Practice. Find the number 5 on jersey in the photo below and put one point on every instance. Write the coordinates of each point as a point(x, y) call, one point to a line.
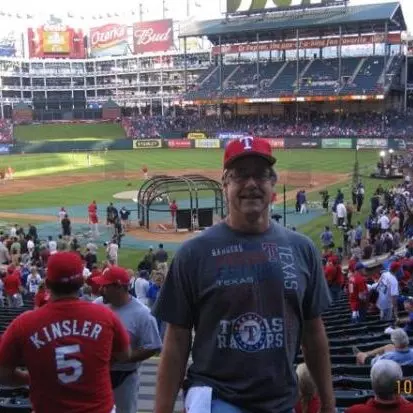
point(69, 369)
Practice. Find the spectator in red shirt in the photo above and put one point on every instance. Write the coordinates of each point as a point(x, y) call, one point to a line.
point(309, 401)
point(96, 272)
point(12, 287)
point(67, 346)
point(385, 376)
point(42, 296)
point(357, 293)
point(334, 277)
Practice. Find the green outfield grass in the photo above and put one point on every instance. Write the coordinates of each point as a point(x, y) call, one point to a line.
point(313, 160)
point(335, 161)
point(58, 132)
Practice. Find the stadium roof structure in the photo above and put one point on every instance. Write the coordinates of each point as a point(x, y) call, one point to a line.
point(367, 18)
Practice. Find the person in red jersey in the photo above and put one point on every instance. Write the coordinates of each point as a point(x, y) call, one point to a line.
point(12, 287)
point(387, 383)
point(357, 293)
point(173, 207)
point(67, 346)
point(91, 209)
point(42, 296)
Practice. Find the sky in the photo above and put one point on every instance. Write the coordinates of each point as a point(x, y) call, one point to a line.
point(129, 11)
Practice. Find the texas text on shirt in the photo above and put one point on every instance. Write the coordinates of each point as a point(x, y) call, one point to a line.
point(67, 355)
point(253, 340)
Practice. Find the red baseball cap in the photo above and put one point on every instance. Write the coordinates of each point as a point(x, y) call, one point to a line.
point(248, 146)
point(65, 267)
point(395, 266)
point(114, 275)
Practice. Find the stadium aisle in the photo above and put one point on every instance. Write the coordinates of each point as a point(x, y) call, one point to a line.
point(147, 387)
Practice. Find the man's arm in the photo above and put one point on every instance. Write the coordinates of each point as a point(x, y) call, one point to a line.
point(13, 377)
point(141, 354)
point(317, 357)
point(172, 366)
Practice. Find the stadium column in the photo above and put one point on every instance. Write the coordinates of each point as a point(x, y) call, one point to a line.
point(221, 80)
point(258, 66)
point(340, 64)
point(386, 53)
point(297, 75)
point(185, 67)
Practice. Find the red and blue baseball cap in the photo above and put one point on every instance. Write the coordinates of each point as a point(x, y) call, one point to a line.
point(113, 275)
point(248, 146)
point(65, 268)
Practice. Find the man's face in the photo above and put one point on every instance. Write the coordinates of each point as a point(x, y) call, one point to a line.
point(248, 186)
point(109, 293)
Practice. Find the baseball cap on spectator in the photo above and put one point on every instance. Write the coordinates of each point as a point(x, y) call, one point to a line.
point(395, 266)
point(65, 268)
point(114, 275)
point(248, 146)
point(360, 266)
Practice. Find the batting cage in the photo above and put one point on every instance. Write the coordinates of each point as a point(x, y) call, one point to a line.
point(179, 203)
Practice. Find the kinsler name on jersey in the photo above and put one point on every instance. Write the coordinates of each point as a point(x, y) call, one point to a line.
point(65, 328)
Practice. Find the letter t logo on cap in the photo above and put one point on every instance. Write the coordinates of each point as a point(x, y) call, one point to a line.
point(247, 141)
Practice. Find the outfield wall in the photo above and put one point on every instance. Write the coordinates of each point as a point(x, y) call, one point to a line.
point(137, 144)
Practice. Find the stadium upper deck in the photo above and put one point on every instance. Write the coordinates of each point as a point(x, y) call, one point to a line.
point(328, 55)
point(303, 55)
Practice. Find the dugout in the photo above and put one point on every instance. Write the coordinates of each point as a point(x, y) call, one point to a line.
point(154, 191)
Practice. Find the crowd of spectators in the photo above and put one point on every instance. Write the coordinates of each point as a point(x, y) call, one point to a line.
point(6, 131)
point(369, 124)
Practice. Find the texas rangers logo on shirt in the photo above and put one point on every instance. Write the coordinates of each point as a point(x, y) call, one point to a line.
point(247, 141)
point(251, 333)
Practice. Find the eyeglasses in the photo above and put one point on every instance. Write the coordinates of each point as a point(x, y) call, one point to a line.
point(244, 175)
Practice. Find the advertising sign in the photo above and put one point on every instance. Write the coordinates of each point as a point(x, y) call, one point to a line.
point(372, 143)
point(207, 143)
point(229, 135)
point(179, 143)
point(147, 143)
point(234, 6)
point(108, 40)
point(296, 143)
point(393, 38)
point(276, 142)
point(196, 135)
point(153, 36)
point(337, 143)
point(4, 149)
point(398, 144)
point(56, 41)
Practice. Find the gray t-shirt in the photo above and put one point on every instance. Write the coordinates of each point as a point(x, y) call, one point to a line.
point(247, 297)
point(141, 326)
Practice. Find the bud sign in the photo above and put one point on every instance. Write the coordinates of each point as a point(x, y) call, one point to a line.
point(154, 36)
point(108, 40)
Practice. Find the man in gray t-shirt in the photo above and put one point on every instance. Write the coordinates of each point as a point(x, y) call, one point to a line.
point(253, 291)
point(143, 331)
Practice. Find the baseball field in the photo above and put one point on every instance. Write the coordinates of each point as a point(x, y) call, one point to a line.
point(43, 183)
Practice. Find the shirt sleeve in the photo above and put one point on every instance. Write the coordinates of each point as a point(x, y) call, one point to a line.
point(11, 354)
point(317, 296)
point(150, 339)
point(120, 337)
point(394, 287)
point(175, 303)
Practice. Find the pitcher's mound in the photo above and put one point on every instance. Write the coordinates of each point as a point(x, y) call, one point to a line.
point(127, 195)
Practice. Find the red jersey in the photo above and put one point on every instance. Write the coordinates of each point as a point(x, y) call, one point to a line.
point(173, 208)
point(12, 283)
point(41, 298)
point(67, 347)
point(357, 289)
point(373, 406)
point(92, 208)
point(313, 406)
point(94, 218)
